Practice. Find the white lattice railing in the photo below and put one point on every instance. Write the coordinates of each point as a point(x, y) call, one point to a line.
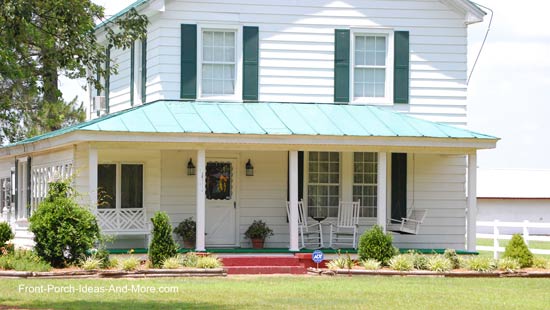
point(123, 221)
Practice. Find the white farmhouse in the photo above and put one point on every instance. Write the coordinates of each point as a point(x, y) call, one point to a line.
point(232, 108)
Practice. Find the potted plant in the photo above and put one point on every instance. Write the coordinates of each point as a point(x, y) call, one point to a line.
point(257, 232)
point(187, 230)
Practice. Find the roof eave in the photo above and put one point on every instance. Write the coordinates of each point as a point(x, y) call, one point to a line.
point(473, 13)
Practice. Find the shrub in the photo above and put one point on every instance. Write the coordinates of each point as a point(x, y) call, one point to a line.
point(541, 262)
point(91, 263)
point(371, 264)
point(376, 245)
point(517, 249)
point(23, 260)
point(63, 230)
point(439, 263)
point(208, 262)
point(172, 263)
point(190, 259)
point(162, 245)
point(402, 262)
point(508, 264)
point(113, 263)
point(187, 229)
point(451, 255)
point(130, 264)
point(481, 264)
point(6, 233)
point(420, 261)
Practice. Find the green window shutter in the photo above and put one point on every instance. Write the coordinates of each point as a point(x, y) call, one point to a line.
point(341, 65)
point(401, 67)
point(107, 78)
point(143, 70)
point(29, 186)
point(398, 185)
point(188, 83)
point(251, 47)
point(16, 188)
point(132, 72)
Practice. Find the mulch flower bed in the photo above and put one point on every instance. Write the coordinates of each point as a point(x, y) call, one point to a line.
point(144, 273)
point(460, 273)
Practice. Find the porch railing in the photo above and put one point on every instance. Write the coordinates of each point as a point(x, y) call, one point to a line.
point(497, 235)
point(123, 221)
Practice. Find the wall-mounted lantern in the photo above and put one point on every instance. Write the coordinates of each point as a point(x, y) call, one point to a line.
point(190, 167)
point(249, 169)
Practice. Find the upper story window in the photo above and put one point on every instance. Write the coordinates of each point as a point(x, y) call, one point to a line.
point(219, 64)
point(372, 73)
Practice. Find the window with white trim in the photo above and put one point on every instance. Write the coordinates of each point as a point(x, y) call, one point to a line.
point(323, 191)
point(219, 63)
point(119, 180)
point(365, 182)
point(5, 193)
point(372, 73)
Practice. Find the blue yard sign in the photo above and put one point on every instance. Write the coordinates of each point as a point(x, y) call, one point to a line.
point(317, 256)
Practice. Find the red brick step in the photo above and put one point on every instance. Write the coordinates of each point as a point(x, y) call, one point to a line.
point(244, 264)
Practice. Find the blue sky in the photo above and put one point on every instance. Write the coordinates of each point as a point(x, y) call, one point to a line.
point(509, 93)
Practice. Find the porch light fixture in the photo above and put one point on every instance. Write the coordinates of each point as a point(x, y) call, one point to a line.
point(190, 167)
point(249, 169)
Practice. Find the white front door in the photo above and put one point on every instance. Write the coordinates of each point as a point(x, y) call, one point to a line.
point(221, 202)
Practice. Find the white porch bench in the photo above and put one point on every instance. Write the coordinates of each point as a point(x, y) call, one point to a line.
point(130, 221)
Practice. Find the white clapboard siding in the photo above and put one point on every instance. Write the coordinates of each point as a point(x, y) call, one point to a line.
point(119, 98)
point(297, 49)
point(437, 183)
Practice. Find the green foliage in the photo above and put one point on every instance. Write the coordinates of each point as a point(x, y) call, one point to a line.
point(371, 264)
point(6, 233)
point(376, 245)
point(162, 245)
point(41, 39)
point(130, 264)
point(23, 260)
point(91, 263)
point(439, 263)
point(341, 262)
point(63, 230)
point(508, 264)
point(113, 263)
point(174, 262)
point(420, 261)
point(190, 259)
point(258, 230)
point(541, 262)
point(451, 255)
point(517, 249)
point(403, 262)
point(187, 229)
point(481, 264)
point(208, 262)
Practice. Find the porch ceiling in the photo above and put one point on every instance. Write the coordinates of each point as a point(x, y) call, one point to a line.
point(267, 118)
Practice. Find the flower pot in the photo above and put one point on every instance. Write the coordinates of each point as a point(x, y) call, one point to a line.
point(189, 244)
point(257, 243)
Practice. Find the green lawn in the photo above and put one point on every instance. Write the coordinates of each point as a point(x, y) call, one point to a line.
point(285, 292)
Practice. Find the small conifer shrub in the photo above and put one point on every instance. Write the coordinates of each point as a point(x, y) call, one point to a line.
point(517, 249)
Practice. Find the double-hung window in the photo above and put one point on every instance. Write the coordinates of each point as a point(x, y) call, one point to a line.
point(219, 63)
point(365, 180)
point(120, 186)
point(372, 73)
point(323, 192)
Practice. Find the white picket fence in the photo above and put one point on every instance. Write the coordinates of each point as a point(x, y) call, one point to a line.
point(525, 225)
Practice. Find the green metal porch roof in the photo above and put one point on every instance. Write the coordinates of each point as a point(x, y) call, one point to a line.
point(265, 118)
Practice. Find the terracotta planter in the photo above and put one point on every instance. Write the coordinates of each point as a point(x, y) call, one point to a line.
point(189, 244)
point(257, 243)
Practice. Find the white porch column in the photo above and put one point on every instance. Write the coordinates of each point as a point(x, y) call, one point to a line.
point(201, 201)
point(472, 201)
point(92, 177)
point(381, 191)
point(293, 197)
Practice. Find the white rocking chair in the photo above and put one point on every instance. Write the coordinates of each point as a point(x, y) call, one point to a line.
point(347, 225)
point(409, 225)
point(310, 235)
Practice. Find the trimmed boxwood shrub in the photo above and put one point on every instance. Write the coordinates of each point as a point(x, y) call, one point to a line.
point(376, 245)
point(162, 245)
point(6, 233)
point(517, 249)
point(63, 230)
